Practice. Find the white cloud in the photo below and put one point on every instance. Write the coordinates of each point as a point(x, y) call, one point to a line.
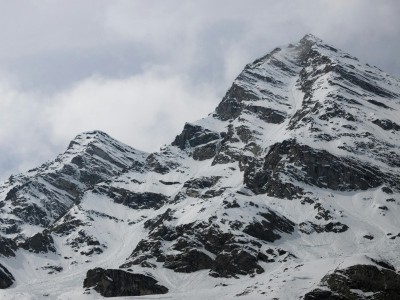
point(144, 111)
point(24, 141)
point(138, 70)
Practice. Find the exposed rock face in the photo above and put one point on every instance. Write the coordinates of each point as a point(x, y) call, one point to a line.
point(68, 224)
point(267, 230)
point(387, 124)
point(116, 283)
point(309, 227)
point(161, 162)
point(193, 135)
point(6, 278)
point(239, 97)
point(188, 261)
point(370, 280)
point(201, 143)
point(85, 243)
point(314, 167)
point(231, 106)
point(191, 247)
point(266, 114)
point(39, 243)
point(46, 193)
point(7, 247)
point(237, 262)
point(201, 187)
point(131, 199)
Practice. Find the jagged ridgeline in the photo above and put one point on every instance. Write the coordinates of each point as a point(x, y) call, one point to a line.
point(290, 189)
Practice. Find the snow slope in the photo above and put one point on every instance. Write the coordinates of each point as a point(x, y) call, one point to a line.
point(294, 176)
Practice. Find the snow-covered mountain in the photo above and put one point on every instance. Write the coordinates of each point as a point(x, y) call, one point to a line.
point(290, 189)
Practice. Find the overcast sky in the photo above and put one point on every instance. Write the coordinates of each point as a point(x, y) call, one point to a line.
point(139, 69)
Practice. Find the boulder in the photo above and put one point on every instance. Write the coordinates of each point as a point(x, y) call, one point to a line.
point(115, 283)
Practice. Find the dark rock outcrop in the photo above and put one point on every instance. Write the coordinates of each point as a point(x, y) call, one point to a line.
point(204, 152)
point(377, 103)
point(380, 284)
point(231, 106)
point(187, 242)
point(335, 227)
point(66, 225)
point(198, 186)
point(387, 124)
point(10, 225)
point(6, 278)
point(236, 262)
point(188, 261)
point(311, 166)
point(157, 163)
point(194, 135)
point(30, 212)
point(267, 230)
point(131, 199)
point(7, 247)
point(41, 242)
point(115, 283)
point(267, 114)
point(84, 240)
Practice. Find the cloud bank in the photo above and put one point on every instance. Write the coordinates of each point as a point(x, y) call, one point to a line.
point(146, 110)
point(138, 70)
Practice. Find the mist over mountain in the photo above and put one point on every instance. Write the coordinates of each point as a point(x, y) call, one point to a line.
point(289, 189)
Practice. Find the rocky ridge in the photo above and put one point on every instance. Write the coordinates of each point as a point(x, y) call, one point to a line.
point(295, 171)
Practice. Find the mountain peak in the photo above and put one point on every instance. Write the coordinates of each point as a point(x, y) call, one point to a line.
point(87, 137)
point(303, 152)
point(95, 133)
point(85, 141)
point(311, 38)
point(50, 190)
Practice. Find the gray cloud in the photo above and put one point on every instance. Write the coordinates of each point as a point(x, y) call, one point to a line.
point(138, 70)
